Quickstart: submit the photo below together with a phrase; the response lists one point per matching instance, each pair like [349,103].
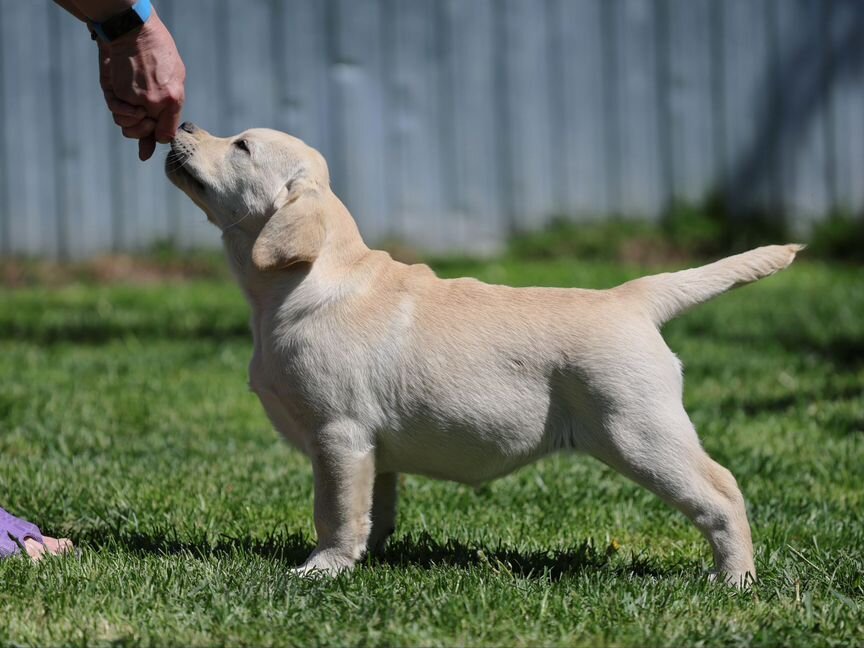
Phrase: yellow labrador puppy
[372,367]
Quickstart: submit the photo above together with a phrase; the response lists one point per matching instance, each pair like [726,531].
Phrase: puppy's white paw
[324,563]
[740,579]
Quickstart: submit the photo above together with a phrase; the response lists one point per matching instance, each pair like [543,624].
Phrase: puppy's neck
[342,251]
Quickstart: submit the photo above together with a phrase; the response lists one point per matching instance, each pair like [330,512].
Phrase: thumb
[146,148]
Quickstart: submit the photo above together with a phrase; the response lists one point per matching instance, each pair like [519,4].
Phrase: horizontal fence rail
[451,124]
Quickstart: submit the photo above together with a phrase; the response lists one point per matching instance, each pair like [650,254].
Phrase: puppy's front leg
[344,476]
[384,497]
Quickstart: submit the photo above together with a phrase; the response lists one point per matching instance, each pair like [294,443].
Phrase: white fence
[451,123]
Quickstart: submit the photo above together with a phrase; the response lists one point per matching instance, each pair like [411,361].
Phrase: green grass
[125,423]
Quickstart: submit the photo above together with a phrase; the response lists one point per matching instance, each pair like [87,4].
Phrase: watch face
[122,24]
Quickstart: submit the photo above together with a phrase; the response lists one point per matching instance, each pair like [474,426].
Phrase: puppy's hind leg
[663,454]
[344,475]
[384,498]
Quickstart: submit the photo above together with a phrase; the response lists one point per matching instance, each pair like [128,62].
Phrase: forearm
[71,7]
[98,10]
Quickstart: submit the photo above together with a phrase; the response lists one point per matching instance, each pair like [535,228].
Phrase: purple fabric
[13,532]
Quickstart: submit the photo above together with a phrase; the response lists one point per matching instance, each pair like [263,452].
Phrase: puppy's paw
[324,563]
[742,580]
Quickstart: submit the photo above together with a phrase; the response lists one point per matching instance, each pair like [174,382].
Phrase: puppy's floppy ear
[294,234]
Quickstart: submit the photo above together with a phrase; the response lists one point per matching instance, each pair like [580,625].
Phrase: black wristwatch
[122,23]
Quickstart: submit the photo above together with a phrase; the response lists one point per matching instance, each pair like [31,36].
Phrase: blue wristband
[123,23]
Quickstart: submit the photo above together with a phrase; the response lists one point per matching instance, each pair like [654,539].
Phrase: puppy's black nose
[189,127]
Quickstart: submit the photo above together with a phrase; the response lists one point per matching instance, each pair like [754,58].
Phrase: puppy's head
[263,182]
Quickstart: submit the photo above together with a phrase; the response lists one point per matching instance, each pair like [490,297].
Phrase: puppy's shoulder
[407,276]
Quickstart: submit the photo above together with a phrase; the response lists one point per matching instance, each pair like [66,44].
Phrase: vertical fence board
[748,103]
[359,113]
[846,137]
[579,128]
[690,101]
[414,145]
[642,190]
[28,133]
[140,199]
[251,96]
[300,51]
[528,167]
[83,126]
[802,79]
[474,115]
[5,240]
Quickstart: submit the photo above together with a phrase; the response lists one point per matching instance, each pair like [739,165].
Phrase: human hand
[142,77]
[132,119]
[50,547]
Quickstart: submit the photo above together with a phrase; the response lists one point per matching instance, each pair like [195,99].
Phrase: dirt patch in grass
[113,268]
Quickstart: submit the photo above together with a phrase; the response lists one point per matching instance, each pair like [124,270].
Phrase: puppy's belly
[472,449]
[446,456]
[282,419]
[467,429]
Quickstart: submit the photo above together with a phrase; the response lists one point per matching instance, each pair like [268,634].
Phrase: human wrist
[127,22]
[138,37]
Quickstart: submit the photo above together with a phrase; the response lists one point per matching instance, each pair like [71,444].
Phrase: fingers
[120,108]
[135,125]
[52,546]
[34,548]
[58,546]
[141,129]
[168,121]
[126,122]
[146,148]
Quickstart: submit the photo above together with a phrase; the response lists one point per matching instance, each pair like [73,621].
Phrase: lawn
[126,424]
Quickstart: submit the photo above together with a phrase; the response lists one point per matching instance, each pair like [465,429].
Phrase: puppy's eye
[242,144]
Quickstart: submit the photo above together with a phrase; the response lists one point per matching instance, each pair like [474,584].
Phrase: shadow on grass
[423,552]
[754,405]
[428,553]
[846,352]
[291,549]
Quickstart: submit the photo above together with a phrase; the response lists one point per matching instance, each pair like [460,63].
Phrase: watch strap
[124,22]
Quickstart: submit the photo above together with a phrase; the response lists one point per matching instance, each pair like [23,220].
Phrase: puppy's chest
[317,372]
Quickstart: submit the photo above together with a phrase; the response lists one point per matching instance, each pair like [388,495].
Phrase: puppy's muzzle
[182,149]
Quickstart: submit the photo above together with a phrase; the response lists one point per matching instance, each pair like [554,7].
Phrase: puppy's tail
[667,295]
